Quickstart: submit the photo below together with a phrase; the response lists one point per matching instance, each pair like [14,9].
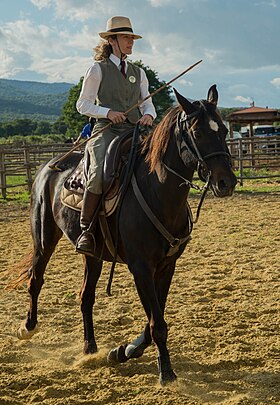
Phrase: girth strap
[175,243]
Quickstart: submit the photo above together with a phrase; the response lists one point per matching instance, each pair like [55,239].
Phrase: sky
[238,41]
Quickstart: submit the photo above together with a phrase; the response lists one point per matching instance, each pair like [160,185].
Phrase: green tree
[43,127]
[59,126]
[70,115]
[163,99]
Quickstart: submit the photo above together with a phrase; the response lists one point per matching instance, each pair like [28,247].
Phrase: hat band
[121,29]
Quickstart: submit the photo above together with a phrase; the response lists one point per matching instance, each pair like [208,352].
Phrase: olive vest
[117,92]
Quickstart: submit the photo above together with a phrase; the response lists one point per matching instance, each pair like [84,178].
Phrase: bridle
[186,132]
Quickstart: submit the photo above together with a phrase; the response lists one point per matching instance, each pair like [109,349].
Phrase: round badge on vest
[132,79]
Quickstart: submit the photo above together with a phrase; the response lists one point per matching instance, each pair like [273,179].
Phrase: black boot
[86,241]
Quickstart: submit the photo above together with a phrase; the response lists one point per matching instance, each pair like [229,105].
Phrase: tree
[75,122]
[43,128]
[162,100]
[59,126]
[70,115]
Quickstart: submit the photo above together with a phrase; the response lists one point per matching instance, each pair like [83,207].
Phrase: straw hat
[118,25]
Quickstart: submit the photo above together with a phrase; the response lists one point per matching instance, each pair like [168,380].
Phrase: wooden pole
[3,175]
[27,167]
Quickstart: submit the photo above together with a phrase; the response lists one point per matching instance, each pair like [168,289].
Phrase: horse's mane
[155,145]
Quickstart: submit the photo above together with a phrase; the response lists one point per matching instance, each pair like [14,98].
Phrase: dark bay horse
[191,135]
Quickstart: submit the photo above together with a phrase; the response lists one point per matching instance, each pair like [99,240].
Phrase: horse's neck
[164,190]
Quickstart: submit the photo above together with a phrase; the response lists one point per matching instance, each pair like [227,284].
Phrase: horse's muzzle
[224,187]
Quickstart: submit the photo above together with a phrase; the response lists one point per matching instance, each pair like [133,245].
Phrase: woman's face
[123,44]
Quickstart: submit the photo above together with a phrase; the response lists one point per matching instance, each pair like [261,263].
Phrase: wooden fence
[22,162]
[256,154]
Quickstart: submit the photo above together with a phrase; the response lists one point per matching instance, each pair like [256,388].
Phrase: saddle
[113,173]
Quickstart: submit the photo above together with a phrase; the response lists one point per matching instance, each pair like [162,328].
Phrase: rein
[174,243]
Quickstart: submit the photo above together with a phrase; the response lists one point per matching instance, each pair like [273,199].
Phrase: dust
[222,313]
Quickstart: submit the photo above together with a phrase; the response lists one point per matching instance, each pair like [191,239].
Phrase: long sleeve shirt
[92,79]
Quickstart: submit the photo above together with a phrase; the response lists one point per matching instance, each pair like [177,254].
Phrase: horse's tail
[22,270]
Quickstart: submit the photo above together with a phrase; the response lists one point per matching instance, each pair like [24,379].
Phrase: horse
[154,220]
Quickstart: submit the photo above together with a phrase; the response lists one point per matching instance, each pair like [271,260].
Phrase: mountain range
[33,100]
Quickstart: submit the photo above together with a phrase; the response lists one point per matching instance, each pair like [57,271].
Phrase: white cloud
[173,3]
[68,69]
[82,40]
[276,82]
[40,4]
[245,100]
[271,3]
[44,50]
[168,53]
[6,67]
[24,36]
[185,82]
[83,10]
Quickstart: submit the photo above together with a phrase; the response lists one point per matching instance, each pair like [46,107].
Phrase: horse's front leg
[163,278]
[132,350]
[153,297]
[92,273]
[136,348]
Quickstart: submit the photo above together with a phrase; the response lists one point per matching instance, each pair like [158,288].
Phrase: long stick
[54,165]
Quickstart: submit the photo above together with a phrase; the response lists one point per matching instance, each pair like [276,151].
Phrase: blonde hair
[103,50]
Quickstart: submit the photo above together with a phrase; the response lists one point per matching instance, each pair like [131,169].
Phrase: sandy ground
[222,312]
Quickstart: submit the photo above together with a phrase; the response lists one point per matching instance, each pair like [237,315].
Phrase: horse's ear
[186,105]
[212,96]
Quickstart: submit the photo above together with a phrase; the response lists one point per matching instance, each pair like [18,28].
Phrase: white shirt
[92,79]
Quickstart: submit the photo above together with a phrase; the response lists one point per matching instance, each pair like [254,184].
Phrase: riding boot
[89,214]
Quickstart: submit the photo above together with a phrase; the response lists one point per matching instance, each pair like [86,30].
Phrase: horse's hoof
[90,347]
[23,333]
[168,377]
[133,352]
[117,355]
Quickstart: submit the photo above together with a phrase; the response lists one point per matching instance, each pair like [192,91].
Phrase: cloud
[68,69]
[276,82]
[245,100]
[185,82]
[24,36]
[6,67]
[40,4]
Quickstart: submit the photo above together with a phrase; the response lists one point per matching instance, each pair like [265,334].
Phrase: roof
[255,115]
[255,110]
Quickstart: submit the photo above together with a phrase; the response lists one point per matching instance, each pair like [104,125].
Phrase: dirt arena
[222,313]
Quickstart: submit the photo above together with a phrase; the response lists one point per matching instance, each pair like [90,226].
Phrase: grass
[17,194]
[269,185]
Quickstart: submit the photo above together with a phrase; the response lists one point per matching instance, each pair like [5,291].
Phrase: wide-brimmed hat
[118,25]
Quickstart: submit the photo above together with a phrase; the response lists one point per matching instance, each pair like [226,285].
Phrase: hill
[33,100]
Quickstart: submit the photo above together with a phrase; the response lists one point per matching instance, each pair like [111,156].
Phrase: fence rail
[23,162]
[247,153]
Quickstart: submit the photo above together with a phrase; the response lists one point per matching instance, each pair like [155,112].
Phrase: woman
[110,87]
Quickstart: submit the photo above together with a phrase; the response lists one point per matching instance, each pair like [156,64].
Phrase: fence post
[240,156]
[28,167]
[3,175]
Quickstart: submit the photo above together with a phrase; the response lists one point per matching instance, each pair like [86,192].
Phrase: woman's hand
[147,119]
[116,117]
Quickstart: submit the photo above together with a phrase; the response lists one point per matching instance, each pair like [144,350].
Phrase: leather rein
[174,242]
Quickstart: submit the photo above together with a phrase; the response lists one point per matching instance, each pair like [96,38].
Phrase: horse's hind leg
[46,235]
[92,273]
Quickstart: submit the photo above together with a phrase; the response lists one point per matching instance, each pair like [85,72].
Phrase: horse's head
[202,134]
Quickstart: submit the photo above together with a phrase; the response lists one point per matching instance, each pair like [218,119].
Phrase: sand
[222,313]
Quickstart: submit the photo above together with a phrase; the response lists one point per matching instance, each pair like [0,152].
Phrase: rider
[110,87]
